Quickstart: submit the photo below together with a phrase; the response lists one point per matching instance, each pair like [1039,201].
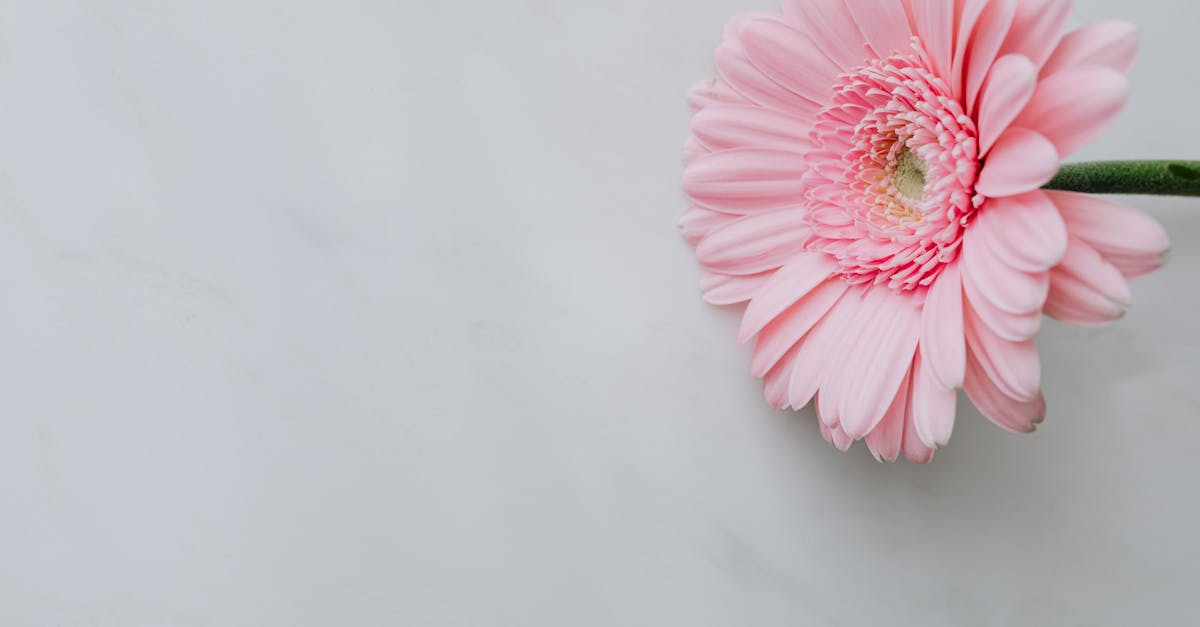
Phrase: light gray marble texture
[374,313]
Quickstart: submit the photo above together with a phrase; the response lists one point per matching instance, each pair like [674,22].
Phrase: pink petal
[790,284]
[934,22]
[1058,110]
[1085,264]
[720,289]
[826,432]
[883,23]
[1010,290]
[754,244]
[1037,28]
[1109,44]
[933,405]
[746,126]
[746,79]
[817,349]
[1009,326]
[877,364]
[1021,161]
[790,59]
[831,26]
[1136,267]
[969,17]
[942,340]
[1005,412]
[839,439]
[1129,239]
[733,28]
[1027,232]
[915,449]
[886,440]
[1007,90]
[693,149]
[990,33]
[1013,367]
[1085,289]
[834,376]
[775,384]
[782,333]
[1075,302]
[698,222]
[746,180]
[712,91]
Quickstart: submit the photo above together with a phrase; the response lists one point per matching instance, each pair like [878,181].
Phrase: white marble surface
[374,313]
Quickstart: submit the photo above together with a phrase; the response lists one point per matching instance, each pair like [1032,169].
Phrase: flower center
[890,183]
[910,175]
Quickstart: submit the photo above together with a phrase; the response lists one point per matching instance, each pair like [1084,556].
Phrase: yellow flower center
[910,175]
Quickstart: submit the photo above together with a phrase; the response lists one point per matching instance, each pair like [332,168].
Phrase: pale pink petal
[697,222]
[887,438]
[1075,302]
[754,244]
[736,24]
[693,149]
[1058,111]
[1004,411]
[720,289]
[746,79]
[1085,289]
[876,365]
[817,349]
[775,383]
[746,180]
[790,58]
[1020,162]
[1010,290]
[934,23]
[839,438]
[1026,232]
[969,17]
[883,23]
[1136,267]
[782,333]
[942,340]
[933,404]
[1013,367]
[1109,44]
[834,376]
[990,32]
[746,126]
[1037,28]
[830,25]
[1008,88]
[800,276]
[826,433]
[1129,239]
[1010,326]
[712,91]
[915,449]
[1084,263]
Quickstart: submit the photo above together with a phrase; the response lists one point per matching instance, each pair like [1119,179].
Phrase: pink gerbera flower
[867,174]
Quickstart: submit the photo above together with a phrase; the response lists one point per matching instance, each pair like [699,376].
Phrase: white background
[365,313]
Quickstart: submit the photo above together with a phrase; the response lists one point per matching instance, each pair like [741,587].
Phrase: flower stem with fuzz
[1152,178]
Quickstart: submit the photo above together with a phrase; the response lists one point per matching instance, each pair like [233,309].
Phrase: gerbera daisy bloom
[867,175]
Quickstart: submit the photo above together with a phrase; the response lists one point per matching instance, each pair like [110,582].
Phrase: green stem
[1155,178]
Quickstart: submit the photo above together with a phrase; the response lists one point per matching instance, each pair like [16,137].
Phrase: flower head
[867,175]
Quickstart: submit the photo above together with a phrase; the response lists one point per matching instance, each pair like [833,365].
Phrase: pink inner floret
[890,200]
